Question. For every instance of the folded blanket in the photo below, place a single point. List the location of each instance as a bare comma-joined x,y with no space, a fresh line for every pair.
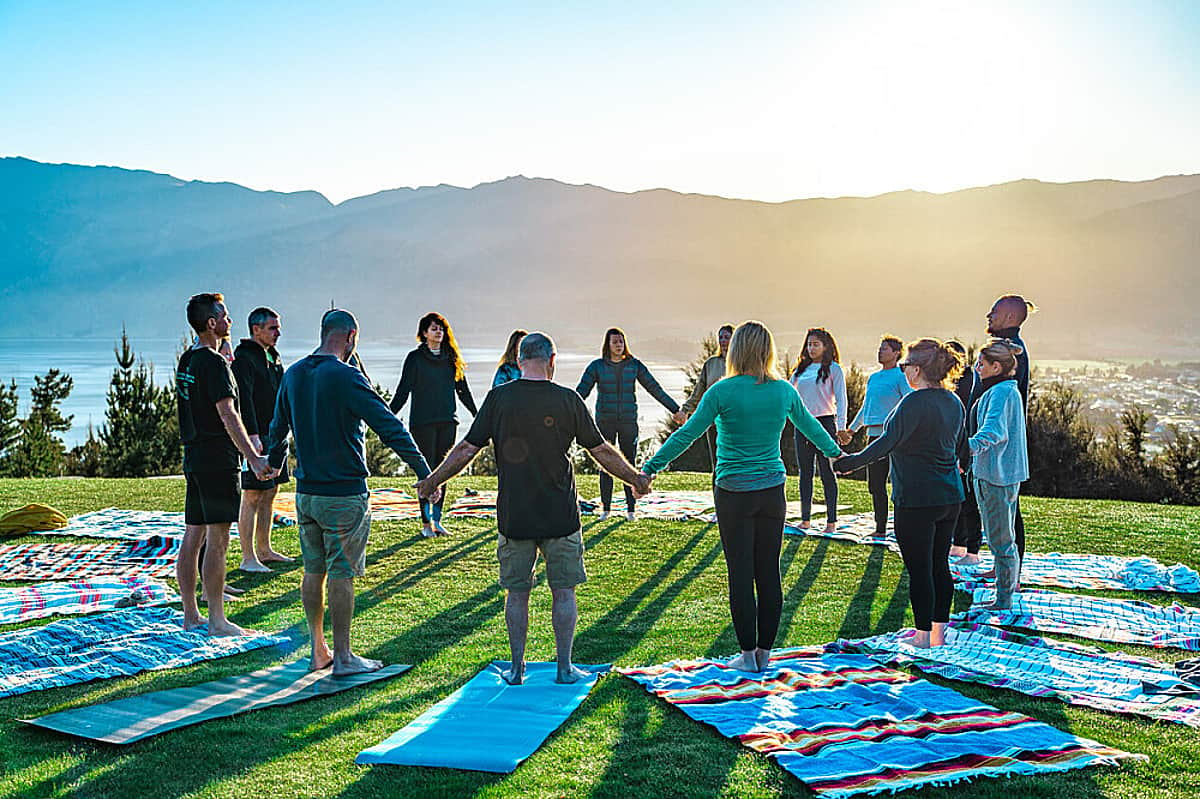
1125,621
1112,572
847,726
102,593
149,557
1073,673
114,644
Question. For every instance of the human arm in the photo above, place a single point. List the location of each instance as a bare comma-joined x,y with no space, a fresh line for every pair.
894,433
837,377
281,422
992,430
651,385
693,401
243,374
613,462
464,394
681,439
370,407
237,433
588,381
810,428
408,376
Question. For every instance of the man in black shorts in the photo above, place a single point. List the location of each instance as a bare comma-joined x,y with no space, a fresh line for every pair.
212,435
532,423
258,370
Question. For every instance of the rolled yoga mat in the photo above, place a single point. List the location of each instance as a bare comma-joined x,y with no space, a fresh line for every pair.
487,725
124,721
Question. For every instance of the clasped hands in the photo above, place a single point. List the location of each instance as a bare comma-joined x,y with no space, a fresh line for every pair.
428,491
641,486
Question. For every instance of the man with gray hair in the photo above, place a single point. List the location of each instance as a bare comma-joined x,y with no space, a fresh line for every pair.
532,423
324,402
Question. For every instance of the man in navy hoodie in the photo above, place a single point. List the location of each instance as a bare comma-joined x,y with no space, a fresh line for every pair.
324,402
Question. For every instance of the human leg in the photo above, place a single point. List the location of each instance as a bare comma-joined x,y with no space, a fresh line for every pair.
877,477
829,483
444,434
262,530
212,571
517,559
186,574
247,528
769,516
341,614
628,437
564,571
943,581
997,506
806,455
425,437
608,429
312,595
736,527
564,615
914,534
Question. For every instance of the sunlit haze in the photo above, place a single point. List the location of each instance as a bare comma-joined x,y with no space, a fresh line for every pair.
768,101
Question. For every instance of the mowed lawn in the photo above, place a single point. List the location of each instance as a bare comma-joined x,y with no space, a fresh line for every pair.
656,592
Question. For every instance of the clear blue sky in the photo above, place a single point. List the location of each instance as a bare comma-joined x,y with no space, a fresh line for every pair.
768,101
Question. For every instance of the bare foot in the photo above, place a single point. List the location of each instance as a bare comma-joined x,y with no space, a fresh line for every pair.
968,559
762,658
353,664
804,525
920,639
226,628
427,531
322,657
194,622
229,589
254,566
271,556
957,552
439,530
630,516
747,661
937,637
572,674
514,675
603,515
830,528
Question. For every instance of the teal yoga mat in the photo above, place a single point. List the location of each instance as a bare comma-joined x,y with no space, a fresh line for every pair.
487,725
124,721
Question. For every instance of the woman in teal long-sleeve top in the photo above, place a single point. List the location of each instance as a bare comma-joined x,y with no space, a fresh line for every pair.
749,407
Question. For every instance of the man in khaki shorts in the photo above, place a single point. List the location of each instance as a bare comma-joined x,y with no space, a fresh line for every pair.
532,423
324,401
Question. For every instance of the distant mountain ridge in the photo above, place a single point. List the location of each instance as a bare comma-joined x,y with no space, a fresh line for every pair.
1112,263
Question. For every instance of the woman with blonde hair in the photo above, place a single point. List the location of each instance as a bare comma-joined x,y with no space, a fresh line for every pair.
507,369
749,407
433,374
926,441
1000,459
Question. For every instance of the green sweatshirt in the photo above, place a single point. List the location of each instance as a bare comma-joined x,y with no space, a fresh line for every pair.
750,417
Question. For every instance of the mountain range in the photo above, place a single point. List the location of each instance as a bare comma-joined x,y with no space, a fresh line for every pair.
1112,264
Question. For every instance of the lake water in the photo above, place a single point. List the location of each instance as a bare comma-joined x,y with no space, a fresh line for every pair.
90,362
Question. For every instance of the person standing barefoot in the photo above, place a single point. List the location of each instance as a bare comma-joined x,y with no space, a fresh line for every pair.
819,379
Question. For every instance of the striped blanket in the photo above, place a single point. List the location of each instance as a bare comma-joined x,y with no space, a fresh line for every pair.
795,511
387,504
475,505
148,557
114,644
133,524
847,726
1076,674
102,593
1124,621
856,528
669,505
1104,572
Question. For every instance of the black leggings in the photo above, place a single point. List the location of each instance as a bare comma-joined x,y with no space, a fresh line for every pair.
968,532
924,536
807,455
434,440
877,477
751,525
625,436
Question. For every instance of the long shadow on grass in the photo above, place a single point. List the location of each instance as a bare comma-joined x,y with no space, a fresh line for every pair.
858,614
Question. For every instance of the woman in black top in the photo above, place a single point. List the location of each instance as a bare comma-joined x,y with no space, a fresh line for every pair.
433,374
926,440
968,532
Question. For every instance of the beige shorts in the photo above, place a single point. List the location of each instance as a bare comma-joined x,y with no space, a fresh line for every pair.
563,556
333,534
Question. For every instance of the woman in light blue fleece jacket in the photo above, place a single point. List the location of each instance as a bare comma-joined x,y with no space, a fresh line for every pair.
1000,460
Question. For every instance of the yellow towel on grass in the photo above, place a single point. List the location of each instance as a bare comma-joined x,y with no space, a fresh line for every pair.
31,518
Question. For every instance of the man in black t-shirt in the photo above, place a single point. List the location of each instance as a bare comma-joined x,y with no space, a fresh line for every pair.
212,434
532,423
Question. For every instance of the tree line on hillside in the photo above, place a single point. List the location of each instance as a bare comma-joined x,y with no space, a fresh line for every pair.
1068,455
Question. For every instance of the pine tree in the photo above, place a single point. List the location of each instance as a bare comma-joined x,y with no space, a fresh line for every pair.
696,457
10,425
40,451
140,434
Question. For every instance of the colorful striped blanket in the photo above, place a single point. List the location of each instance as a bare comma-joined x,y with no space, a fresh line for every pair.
132,524
668,505
847,726
1073,673
475,505
1124,621
795,510
102,593
856,528
1104,572
148,557
387,504
114,644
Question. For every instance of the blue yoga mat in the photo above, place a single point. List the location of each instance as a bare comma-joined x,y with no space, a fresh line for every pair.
487,725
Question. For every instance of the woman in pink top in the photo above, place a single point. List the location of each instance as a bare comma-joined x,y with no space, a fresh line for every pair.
819,379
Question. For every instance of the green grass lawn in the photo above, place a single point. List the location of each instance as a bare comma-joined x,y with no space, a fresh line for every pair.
656,592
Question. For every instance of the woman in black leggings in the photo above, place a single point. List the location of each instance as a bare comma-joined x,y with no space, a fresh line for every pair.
433,374
926,441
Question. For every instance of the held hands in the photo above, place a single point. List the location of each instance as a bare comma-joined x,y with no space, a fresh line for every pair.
843,437
840,470
679,417
641,486
428,491
261,468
